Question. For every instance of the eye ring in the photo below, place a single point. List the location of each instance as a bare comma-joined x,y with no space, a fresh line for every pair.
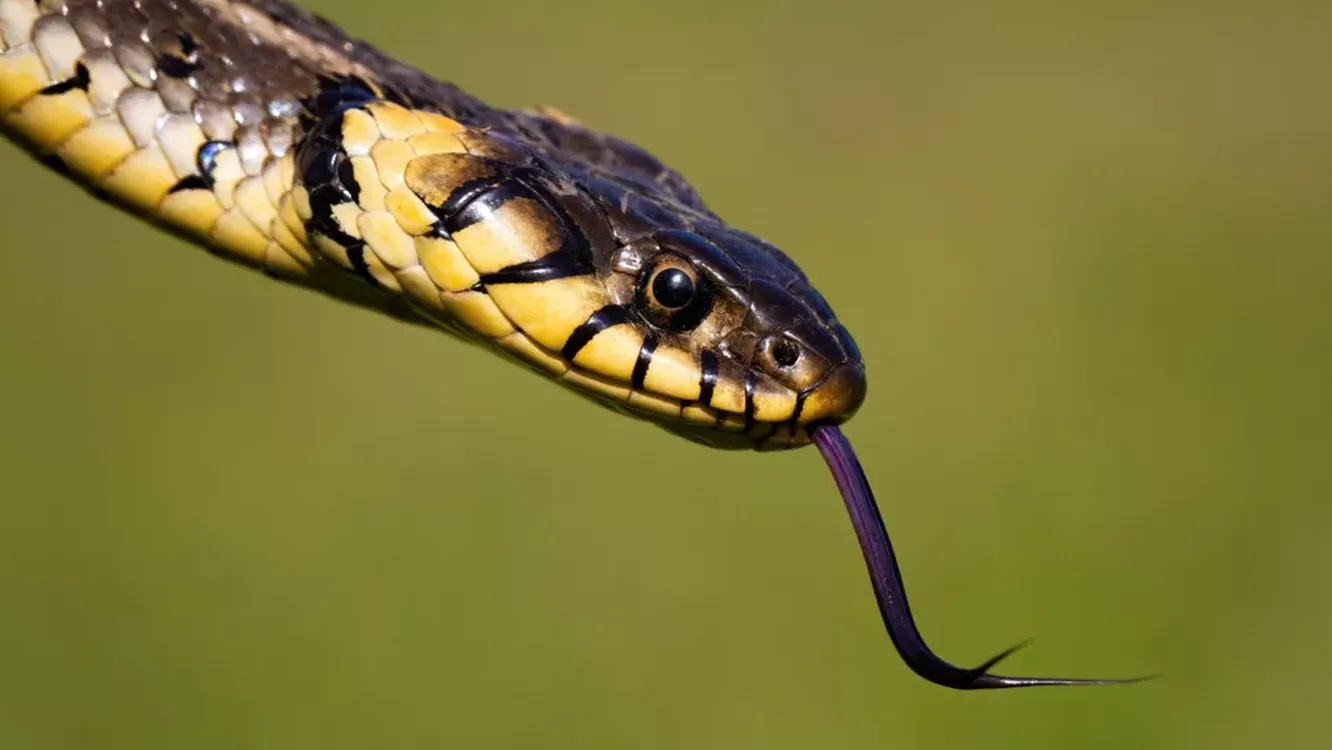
672,295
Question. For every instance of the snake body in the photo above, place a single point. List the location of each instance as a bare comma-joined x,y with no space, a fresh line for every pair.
269,136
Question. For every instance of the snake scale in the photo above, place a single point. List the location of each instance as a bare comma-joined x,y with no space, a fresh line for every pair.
268,136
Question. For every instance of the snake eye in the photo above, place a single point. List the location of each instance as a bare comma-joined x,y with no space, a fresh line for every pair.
672,288
672,295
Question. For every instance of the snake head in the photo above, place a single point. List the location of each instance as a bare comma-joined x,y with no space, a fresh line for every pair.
765,354
621,287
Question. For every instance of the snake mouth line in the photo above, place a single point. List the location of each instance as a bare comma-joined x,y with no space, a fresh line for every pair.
890,591
735,430
692,419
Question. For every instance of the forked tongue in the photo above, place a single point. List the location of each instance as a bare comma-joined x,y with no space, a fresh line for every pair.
890,591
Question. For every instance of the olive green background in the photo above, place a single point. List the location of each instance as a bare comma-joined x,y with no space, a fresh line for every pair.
1087,252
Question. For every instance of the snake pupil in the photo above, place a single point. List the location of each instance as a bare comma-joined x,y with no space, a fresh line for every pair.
673,288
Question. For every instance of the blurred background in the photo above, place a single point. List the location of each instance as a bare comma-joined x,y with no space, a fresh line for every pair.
1087,252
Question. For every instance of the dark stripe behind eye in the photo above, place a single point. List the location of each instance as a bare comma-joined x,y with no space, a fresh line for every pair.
708,381
610,315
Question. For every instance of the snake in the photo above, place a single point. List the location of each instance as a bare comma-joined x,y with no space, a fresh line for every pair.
268,136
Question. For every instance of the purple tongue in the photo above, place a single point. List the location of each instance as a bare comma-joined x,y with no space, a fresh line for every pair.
890,591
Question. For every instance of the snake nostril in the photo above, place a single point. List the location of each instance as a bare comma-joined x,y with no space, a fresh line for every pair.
779,353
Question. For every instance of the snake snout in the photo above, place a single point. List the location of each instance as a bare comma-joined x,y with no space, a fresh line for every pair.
837,396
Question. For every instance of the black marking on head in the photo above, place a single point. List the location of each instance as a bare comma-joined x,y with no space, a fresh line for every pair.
480,206
799,407
606,317
324,170
319,167
347,176
172,66
707,382
751,380
192,182
322,201
463,195
81,80
560,264
641,366
474,200
322,164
